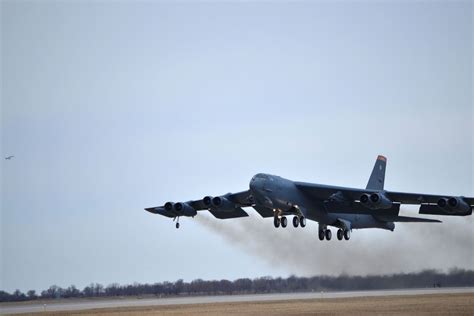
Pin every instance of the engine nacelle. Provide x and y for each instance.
(377, 200)
(169, 206)
(221, 203)
(184, 209)
(454, 205)
(207, 200)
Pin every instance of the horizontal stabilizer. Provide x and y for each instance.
(405, 219)
(237, 212)
(264, 211)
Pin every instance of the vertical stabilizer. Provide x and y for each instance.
(377, 178)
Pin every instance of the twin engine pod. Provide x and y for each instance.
(454, 205)
(376, 200)
(181, 209)
(220, 203)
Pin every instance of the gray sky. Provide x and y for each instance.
(110, 107)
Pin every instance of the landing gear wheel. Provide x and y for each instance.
(284, 222)
(303, 221)
(296, 221)
(328, 234)
(177, 225)
(347, 234)
(340, 234)
(276, 222)
(321, 235)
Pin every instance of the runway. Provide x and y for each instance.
(17, 308)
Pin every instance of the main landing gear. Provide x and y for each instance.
(299, 221)
(283, 221)
(346, 234)
(280, 221)
(325, 233)
(276, 222)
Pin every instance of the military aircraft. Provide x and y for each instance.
(340, 207)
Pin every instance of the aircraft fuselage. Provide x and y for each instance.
(342, 207)
(285, 198)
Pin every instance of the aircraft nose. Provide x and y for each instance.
(255, 184)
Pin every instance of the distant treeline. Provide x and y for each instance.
(426, 278)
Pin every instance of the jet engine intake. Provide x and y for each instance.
(207, 200)
(454, 205)
(169, 206)
(221, 203)
(377, 200)
(184, 209)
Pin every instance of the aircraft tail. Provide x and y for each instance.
(377, 177)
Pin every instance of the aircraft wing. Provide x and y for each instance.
(347, 200)
(418, 198)
(161, 211)
(325, 192)
(230, 207)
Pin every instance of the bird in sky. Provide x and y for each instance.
(9, 157)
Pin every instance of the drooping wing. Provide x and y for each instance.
(418, 198)
(324, 192)
(238, 200)
(264, 211)
(429, 203)
(346, 200)
(235, 213)
(339, 199)
(161, 211)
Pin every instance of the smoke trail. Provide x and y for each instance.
(411, 247)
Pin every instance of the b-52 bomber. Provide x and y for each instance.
(340, 207)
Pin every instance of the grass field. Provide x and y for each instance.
(437, 304)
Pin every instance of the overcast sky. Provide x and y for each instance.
(110, 107)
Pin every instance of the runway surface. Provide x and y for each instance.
(136, 302)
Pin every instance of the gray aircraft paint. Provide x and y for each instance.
(276, 192)
(377, 177)
(324, 204)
